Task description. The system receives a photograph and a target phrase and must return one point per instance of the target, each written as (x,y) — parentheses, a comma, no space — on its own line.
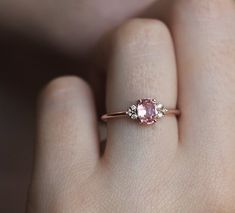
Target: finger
(67,150)
(142,66)
(205,43)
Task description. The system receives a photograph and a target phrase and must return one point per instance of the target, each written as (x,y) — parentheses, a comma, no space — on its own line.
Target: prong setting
(154,101)
(147,111)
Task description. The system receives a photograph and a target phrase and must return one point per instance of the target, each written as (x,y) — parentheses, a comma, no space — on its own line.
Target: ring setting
(146,111)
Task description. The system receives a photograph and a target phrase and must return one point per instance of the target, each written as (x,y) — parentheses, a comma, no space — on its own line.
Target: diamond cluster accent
(132,112)
(161,110)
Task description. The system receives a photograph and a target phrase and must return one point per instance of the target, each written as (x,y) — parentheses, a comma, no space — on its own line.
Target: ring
(146,111)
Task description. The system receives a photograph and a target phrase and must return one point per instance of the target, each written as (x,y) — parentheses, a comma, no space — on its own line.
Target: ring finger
(142,66)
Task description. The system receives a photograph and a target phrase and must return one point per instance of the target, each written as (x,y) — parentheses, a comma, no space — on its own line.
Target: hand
(74,25)
(184,165)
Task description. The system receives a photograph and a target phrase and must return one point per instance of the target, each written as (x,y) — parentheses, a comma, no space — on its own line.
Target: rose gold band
(124,114)
(147,111)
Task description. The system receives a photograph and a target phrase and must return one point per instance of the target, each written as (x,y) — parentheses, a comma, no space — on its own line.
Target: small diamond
(160,106)
(133,107)
(134,116)
(160,114)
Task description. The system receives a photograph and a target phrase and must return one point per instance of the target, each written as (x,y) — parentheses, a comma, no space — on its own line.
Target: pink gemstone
(146,111)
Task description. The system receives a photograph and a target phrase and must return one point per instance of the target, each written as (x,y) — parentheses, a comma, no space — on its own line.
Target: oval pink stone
(146,111)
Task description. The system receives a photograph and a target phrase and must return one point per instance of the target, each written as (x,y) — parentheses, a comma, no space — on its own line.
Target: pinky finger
(67,148)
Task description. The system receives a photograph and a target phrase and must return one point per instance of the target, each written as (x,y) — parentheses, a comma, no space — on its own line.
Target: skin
(60,22)
(178,165)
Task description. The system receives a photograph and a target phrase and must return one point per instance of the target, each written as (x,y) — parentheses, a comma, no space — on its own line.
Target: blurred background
(40,40)
(26,66)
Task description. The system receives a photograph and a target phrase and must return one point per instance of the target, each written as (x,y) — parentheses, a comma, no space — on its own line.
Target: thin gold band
(124,114)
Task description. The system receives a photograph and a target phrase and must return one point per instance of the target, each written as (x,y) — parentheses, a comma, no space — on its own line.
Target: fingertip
(62,87)
(67,128)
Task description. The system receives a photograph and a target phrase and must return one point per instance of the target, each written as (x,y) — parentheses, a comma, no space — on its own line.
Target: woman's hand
(75,25)
(184,165)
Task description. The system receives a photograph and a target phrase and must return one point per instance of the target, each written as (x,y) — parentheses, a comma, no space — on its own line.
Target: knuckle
(141,31)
